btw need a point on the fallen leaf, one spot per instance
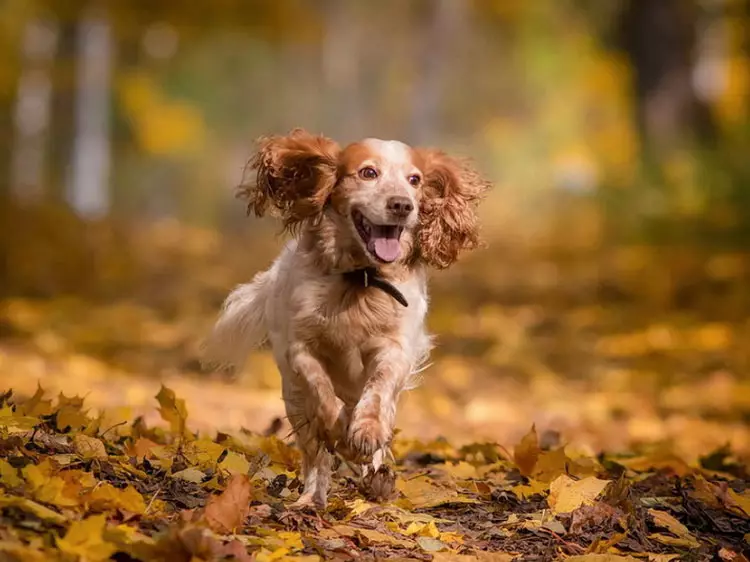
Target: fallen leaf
(429, 544)
(48, 488)
(13, 422)
(526, 453)
(567, 494)
(191, 475)
(600, 558)
(235, 463)
(89, 447)
(666, 521)
(172, 409)
(422, 492)
(534, 487)
(84, 539)
(30, 506)
(373, 536)
(226, 512)
(36, 406)
(106, 496)
(9, 475)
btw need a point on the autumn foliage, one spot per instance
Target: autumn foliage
(73, 486)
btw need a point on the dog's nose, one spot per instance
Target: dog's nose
(400, 205)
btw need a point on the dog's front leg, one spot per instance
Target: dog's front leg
(319, 420)
(371, 428)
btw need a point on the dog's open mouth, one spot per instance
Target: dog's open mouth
(383, 241)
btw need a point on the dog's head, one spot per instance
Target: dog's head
(385, 201)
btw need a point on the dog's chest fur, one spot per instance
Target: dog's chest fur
(341, 315)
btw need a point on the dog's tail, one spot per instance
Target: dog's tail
(241, 326)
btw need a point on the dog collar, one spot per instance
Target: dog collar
(369, 277)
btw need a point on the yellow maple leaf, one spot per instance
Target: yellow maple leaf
(235, 463)
(106, 496)
(567, 495)
(85, 540)
(48, 488)
(36, 406)
(13, 422)
(9, 475)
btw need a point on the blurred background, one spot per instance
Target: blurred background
(609, 306)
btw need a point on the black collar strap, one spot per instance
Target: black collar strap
(369, 277)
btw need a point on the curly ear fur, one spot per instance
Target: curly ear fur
(295, 174)
(447, 216)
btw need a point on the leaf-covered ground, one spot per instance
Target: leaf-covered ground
(632, 365)
(78, 487)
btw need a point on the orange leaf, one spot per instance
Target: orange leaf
(526, 453)
(226, 512)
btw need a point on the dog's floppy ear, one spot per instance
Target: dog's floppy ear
(447, 215)
(294, 175)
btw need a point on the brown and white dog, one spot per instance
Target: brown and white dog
(344, 304)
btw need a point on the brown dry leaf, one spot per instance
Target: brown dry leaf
(226, 512)
(567, 494)
(706, 492)
(526, 453)
(172, 409)
(664, 520)
(89, 447)
(85, 540)
(731, 556)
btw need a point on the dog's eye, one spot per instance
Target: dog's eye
(368, 173)
(414, 180)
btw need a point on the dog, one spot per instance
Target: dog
(344, 304)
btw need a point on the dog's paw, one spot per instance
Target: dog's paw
(366, 436)
(379, 485)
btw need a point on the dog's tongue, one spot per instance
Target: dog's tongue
(387, 249)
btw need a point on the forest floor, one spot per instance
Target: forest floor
(113, 444)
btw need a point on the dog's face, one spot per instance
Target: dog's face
(379, 191)
(387, 202)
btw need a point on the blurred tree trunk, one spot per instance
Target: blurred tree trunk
(61, 122)
(88, 191)
(445, 23)
(659, 37)
(31, 116)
